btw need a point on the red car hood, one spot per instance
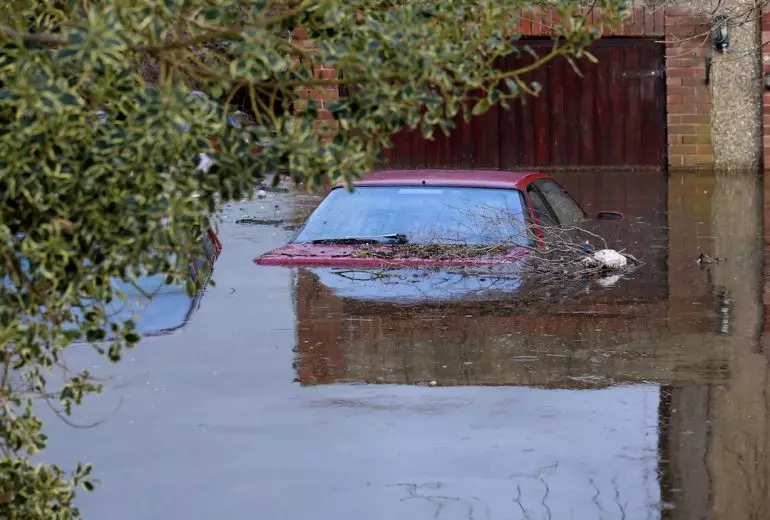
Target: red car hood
(326, 255)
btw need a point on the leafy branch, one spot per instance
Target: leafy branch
(101, 138)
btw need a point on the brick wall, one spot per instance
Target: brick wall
(643, 21)
(688, 101)
(323, 96)
(689, 105)
(688, 97)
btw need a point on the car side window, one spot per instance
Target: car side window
(566, 209)
(542, 212)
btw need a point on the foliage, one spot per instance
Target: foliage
(85, 198)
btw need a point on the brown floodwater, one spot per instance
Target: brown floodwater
(676, 349)
(313, 393)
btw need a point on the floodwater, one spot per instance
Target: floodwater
(293, 394)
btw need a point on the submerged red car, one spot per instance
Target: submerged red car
(392, 217)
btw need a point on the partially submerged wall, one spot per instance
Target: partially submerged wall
(714, 107)
(714, 113)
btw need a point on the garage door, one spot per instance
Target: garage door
(612, 117)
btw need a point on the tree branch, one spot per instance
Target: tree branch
(222, 34)
(212, 34)
(45, 39)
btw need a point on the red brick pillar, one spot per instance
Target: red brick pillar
(325, 95)
(688, 96)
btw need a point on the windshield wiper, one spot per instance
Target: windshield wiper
(398, 238)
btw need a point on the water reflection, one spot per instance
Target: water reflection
(688, 428)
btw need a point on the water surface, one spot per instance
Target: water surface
(299, 393)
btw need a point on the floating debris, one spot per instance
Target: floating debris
(273, 189)
(259, 221)
(609, 281)
(704, 260)
(606, 259)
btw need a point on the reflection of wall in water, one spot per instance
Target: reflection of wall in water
(715, 447)
(593, 342)
(740, 415)
(717, 440)
(345, 341)
(690, 233)
(683, 446)
(642, 197)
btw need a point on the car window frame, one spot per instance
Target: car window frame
(535, 185)
(532, 186)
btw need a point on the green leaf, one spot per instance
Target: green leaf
(95, 335)
(132, 337)
(481, 106)
(66, 53)
(104, 200)
(68, 99)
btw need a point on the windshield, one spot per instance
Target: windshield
(423, 214)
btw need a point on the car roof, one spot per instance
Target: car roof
(459, 178)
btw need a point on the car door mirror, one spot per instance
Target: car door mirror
(610, 215)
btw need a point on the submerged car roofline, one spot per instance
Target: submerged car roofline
(448, 178)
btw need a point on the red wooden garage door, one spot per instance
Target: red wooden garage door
(612, 117)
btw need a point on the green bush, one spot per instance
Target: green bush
(86, 199)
